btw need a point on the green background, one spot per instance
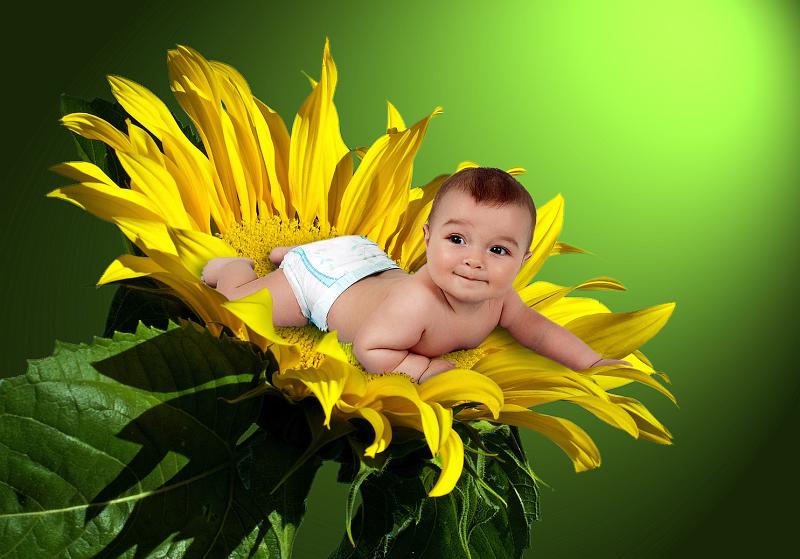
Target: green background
(671, 129)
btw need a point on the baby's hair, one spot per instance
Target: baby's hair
(486, 185)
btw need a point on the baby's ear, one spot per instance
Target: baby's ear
(527, 255)
(427, 232)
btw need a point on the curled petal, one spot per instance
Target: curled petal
(445, 418)
(380, 425)
(462, 385)
(397, 395)
(95, 128)
(326, 384)
(452, 461)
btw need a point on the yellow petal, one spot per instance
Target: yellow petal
(377, 196)
(452, 462)
(380, 425)
(445, 419)
(572, 439)
(145, 166)
(341, 178)
(316, 146)
(616, 335)
(108, 202)
(615, 371)
(195, 85)
(549, 221)
(608, 412)
(396, 394)
(129, 266)
(148, 235)
(83, 171)
(409, 244)
(195, 249)
(325, 383)
(462, 385)
(602, 283)
(144, 106)
(394, 121)
(275, 151)
(194, 178)
(185, 163)
(564, 248)
(650, 428)
(466, 165)
(541, 294)
(255, 310)
(95, 128)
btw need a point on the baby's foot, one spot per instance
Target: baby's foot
(213, 267)
(276, 254)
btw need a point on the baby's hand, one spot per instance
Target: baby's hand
(212, 269)
(436, 367)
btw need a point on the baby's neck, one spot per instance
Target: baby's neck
(462, 307)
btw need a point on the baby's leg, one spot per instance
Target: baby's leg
(285, 310)
(213, 270)
(276, 254)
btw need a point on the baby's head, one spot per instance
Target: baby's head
(488, 187)
(480, 228)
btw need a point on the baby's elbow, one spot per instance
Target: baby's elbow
(373, 359)
(364, 355)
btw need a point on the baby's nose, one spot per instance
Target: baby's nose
(473, 261)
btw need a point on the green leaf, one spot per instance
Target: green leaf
(144, 300)
(127, 448)
(488, 514)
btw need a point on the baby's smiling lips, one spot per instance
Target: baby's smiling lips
(468, 277)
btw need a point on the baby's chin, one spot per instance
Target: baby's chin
(478, 294)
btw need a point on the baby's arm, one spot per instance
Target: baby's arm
(547, 338)
(382, 342)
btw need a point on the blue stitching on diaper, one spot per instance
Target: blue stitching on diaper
(326, 280)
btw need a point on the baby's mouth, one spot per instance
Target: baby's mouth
(468, 277)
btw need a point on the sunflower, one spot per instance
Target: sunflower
(248, 186)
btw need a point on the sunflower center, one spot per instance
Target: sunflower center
(465, 358)
(255, 239)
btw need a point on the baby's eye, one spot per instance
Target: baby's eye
(456, 239)
(502, 251)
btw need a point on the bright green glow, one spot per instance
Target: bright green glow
(670, 128)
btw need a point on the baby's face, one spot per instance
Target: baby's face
(475, 251)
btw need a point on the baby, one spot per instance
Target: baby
(477, 238)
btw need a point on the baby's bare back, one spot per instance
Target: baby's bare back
(444, 330)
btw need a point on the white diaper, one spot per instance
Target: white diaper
(321, 271)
